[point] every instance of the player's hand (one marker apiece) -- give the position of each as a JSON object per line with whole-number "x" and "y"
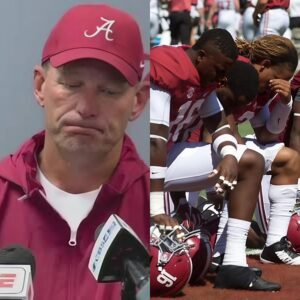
{"x": 167, "y": 224}
{"x": 184, "y": 211}
{"x": 216, "y": 199}
{"x": 226, "y": 173}
{"x": 283, "y": 88}
{"x": 256, "y": 18}
{"x": 165, "y": 220}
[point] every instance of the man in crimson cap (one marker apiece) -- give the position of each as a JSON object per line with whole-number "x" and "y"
{"x": 67, "y": 180}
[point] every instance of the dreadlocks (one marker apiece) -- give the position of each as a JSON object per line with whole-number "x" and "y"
{"x": 275, "y": 48}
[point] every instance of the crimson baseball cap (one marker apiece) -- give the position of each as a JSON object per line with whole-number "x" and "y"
{"x": 101, "y": 32}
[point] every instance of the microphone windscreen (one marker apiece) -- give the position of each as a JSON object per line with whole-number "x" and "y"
{"x": 17, "y": 255}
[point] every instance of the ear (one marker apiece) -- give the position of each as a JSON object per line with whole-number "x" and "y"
{"x": 200, "y": 55}
{"x": 39, "y": 80}
{"x": 264, "y": 64}
{"x": 141, "y": 98}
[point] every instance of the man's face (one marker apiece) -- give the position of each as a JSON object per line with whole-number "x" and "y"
{"x": 88, "y": 104}
{"x": 281, "y": 71}
{"x": 212, "y": 65}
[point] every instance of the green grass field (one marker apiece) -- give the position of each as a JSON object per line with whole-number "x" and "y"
{"x": 245, "y": 128}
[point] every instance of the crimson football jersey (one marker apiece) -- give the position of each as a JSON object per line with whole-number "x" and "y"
{"x": 181, "y": 5}
{"x": 277, "y": 4}
{"x": 250, "y": 110}
{"x": 240, "y": 114}
{"x": 243, "y": 114}
{"x": 173, "y": 71}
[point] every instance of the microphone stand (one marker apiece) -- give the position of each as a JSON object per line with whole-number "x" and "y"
{"x": 136, "y": 285}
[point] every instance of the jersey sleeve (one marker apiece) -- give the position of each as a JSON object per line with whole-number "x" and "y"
{"x": 211, "y": 106}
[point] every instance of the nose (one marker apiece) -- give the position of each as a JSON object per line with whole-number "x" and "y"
{"x": 87, "y": 105}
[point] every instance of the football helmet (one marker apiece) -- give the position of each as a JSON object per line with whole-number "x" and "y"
{"x": 293, "y": 233}
{"x": 200, "y": 252}
{"x": 171, "y": 265}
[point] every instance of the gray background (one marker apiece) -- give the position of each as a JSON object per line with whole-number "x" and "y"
{"x": 25, "y": 25}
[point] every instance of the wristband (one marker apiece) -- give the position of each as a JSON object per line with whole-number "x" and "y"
{"x": 228, "y": 150}
{"x": 223, "y": 138}
{"x": 157, "y": 203}
{"x": 154, "y": 136}
{"x": 157, "y": 172}
{"x": 222, "y": 127}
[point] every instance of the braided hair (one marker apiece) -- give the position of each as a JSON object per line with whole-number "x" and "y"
{"x": 277, "y": 49}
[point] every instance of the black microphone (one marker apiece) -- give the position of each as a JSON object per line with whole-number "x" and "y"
{"x": 17, "y": 269}
{"x": 120, "y": 256}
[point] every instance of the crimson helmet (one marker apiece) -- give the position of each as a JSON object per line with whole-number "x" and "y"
{"x": 293, "y": 234}
{"x": 171, "y": 265}
{"x": 200, "y": 251}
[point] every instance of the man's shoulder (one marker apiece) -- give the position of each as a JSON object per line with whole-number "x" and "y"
{"x": 171, "y": 67}
{"x": 14, "y": 167}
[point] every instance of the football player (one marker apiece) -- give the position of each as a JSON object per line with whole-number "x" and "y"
{"x": 275, "y": 59}
{"x": 291, "y": 138}
{"x": 271, "y": 17}
{"x": 248, "y": 27}
{"x": 227, "y": 15}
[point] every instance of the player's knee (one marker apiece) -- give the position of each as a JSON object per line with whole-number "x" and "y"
{"x": 288, "y": 160}
{"x": 252, "y": 161}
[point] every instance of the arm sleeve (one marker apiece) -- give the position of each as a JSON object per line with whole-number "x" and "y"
{"x": 160, "y": 101}
{"x": 261, "y": 118}
{"x": 211, "y": 106}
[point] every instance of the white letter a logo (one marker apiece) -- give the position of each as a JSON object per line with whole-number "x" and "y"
{"x": 104, "y": 27}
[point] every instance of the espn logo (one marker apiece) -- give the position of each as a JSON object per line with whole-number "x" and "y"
{"x": 7, "y": 280}
{"x": 15, "y": 282}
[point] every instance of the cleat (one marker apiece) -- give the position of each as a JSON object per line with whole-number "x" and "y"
{"x": 280, "y": 252}
{"x": 236, "y": 277}
{"x": 216, "y": 263}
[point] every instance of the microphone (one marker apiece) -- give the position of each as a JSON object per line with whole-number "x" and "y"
{"x": 120, "y": 256}
{"x": 17, "y": 268}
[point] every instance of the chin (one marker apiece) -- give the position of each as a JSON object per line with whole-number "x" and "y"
{"x": 82, "y": 145}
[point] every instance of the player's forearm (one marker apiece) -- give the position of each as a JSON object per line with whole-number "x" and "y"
{"x": 233, "y": 126}
{"x": 260, "y": 6}
{"x": 158, "y": 155}
{"x": 158, "y": 158}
